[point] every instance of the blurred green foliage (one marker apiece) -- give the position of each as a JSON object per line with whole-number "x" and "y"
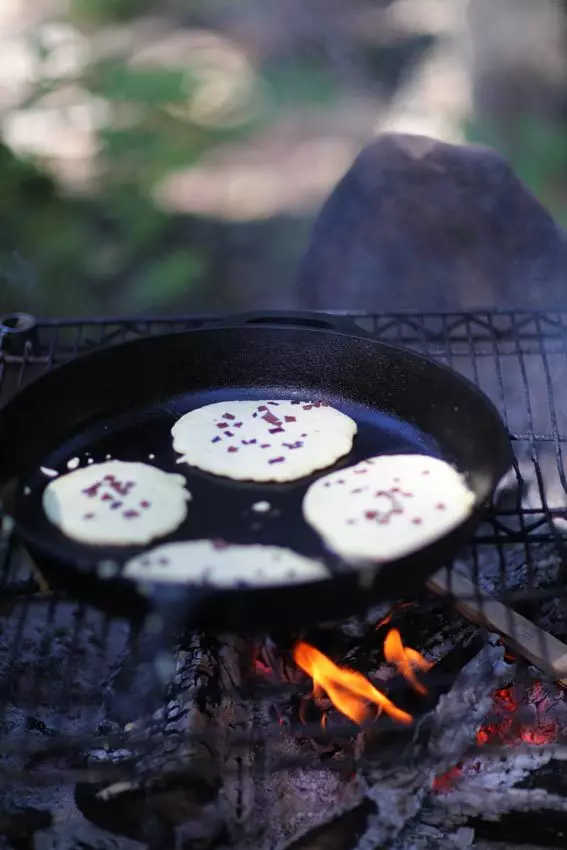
{"x": 107, "y": 11}
{"x": 538, "y": 155}
{"x": 112, "y": 250}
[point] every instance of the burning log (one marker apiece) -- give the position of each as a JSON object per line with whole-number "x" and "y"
{"x": 396, "y": 772}
{"x": 543, "y": 792}
{"x": 344, "y": 832}
{"x": 178, "y": 775}
{"x": 506, "y": 790}
{"x": 19, "y": 828}
{"x": 443, "y": 736}
{"x": 228, "y": 755}
{"x": 265, "y": 787}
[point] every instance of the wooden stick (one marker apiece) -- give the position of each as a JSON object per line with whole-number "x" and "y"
{"x": 540, "y": 648}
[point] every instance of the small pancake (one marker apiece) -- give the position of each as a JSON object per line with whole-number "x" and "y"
{"x": 116, "y": 503}
{"x": 386, "y": 507}
{"x": 263, "y": 440}
{"x": 218, "y": 564}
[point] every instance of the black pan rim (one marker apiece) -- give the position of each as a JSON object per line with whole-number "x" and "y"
{"x": 224, "y": 326}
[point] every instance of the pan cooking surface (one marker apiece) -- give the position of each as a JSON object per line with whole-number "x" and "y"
{"x": 123, "y": 401}
{"x": 220, "y": 508}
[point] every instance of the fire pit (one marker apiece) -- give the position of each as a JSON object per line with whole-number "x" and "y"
{"x": 427, "y": 722}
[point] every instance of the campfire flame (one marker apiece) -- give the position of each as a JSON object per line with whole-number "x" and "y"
{"x": 348, "y": 690}
{"x": 406, "y": 659}
{"x": 351, "y": 692}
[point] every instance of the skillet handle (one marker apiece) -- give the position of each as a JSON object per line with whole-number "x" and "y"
{"x": 297, "y": 319}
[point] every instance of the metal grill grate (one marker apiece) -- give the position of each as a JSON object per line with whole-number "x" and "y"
{"x": 518, "y": 359}
{"x": 519, "y": 554}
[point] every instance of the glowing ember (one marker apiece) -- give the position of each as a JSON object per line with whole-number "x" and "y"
{"x": 349, "y": 691}
{"x": 391, "y": 614}
{"x": 407, "y": 660}
{"x": 508, "y": 729}
{"x": 260, "y": 667}
{"x": 443, "y": 784}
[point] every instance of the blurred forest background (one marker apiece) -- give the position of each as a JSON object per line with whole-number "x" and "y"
{"x": 170, "y": 156}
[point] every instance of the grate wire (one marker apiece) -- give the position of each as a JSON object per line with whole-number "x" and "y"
{"x": 463, "y": 341}
{"x": 519, "y": 359}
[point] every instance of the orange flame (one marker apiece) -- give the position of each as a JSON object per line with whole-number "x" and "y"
{"x": 348, "y": 690}
{"x": 391, "y": 614}
{"x": 407, "y": 660}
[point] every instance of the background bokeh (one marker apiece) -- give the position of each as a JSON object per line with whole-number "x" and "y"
{"x": 169, "y": 156}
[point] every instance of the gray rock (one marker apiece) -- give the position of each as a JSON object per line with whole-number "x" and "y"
{"x": 418, "y": 224}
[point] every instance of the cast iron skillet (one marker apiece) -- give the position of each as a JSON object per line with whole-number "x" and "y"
{"x": 123, "y": 401}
